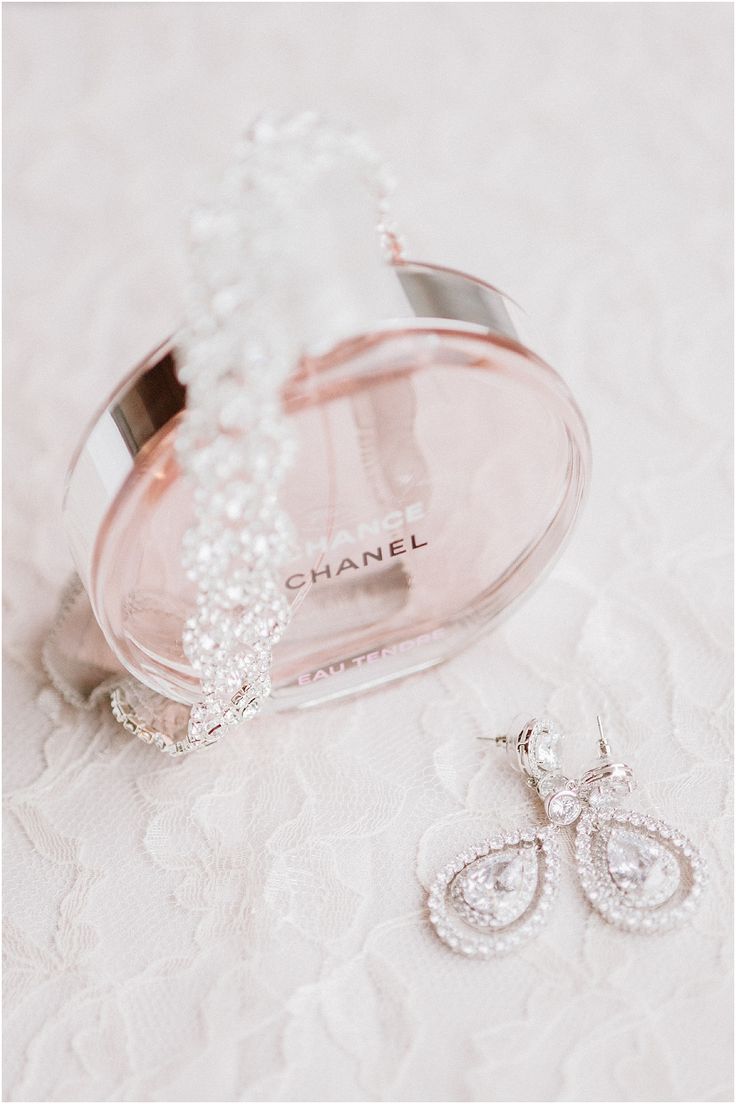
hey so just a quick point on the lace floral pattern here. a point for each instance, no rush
(249, 923)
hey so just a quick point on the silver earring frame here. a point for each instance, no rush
(636, 871)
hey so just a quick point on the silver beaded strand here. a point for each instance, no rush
(234, 443)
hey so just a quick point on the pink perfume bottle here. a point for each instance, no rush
(441, 465)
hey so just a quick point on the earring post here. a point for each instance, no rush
(604, 748)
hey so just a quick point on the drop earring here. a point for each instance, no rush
(636, 871)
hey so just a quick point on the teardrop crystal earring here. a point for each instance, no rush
(636, 871)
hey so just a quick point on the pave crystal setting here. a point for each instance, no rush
(637, 872)
(494, 897)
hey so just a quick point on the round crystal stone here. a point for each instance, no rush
(563, 807)
(551, 783)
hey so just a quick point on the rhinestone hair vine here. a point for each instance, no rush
(234, 443)
(636, 871)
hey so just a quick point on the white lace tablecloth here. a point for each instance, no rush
(248, 924)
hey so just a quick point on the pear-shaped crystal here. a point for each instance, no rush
(497, 895)
(499, 888)
(642, 869)
(638, 873)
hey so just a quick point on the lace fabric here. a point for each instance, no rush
(248, 923)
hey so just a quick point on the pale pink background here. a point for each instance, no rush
(247, 924)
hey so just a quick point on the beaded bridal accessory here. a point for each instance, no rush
(636, 871)
(254, 300)
(234, 442)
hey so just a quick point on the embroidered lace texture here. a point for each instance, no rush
(248, 923)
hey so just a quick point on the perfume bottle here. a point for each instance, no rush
(440, 467)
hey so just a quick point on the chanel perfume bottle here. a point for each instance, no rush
(440, 466)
